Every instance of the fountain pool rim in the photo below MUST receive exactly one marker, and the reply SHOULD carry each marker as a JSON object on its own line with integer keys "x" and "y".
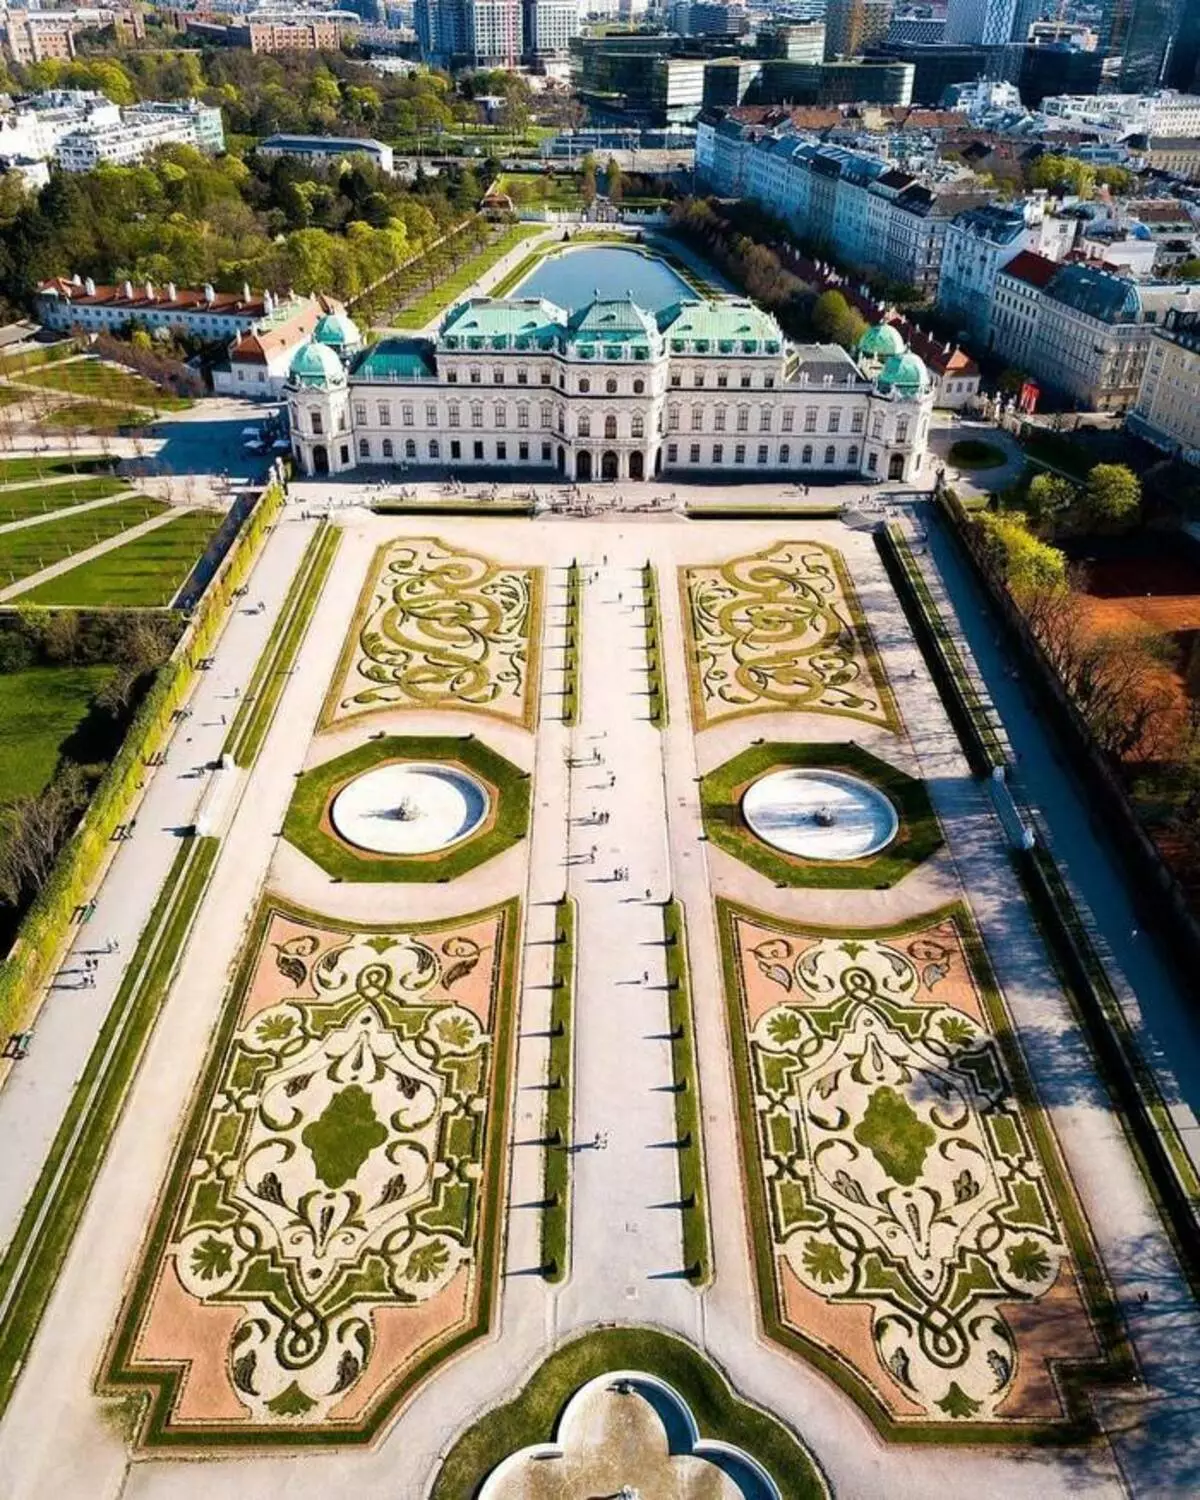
{"x": 804, "y": 837}
{"x": 457, "y": 806}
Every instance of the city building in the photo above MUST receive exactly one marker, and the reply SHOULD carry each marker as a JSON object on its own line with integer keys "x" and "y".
{"x": 610, "y": 391}
{"x": 549, "y": 26}
{"x": 260, "y": 356}
{"x": 67, "y": 303}
{"x": 329, "y": 148}
{"x": 1177, "y": 154}
{"x": 851, "y": 26}
{"x": 140, "y": 130}
{"x": 1160, "y": 114}
{"x": 1041, "y": 68}
{"x": 989, "y": 23}
{"x": 926, "y": 30}
{"x": 38, "y": 35}
{"x": 1167, "y": 410}
{"x": 1150, "y": 30}
{"x": 708, "y": 18}
{"x": 483, "y": 33}
{"x": 320, "y": 34}
{"x": 938, "y": 68}
{"x": 33, "y": 127}
{"x": 979, "y": 243}
{"x": 1080, "y": 329}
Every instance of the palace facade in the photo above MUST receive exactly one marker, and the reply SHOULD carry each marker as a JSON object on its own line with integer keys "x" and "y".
{"x": 610, "y": 391}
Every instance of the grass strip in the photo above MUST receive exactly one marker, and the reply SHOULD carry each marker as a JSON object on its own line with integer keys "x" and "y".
{"x": 45, "y": 499}
{"x": 532, "y": 1415}
{"x": 145, "y": 572}
{"x": 573, "y": 626}
{"x": 474, "y": 508}
{"x": 51, "y": 1217}
{"x": 768, "y": 512}
{"x": 689, "y": 1129}
{"x": 657, "y": 683}
{"x": 91, "y": 377}
{"x": 32, "y": 548}
{"x": 451, "y": 287}
{"x": 257, "y": 708}
{"x": 50, "y": 466}
{"x": 95, "y": 416}
{"x": 556, "y": 1159}
{"x": 1132, "y": 1084}
{"x": 969, "y": 712}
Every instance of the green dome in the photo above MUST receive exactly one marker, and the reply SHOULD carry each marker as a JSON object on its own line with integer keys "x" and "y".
{"x": 882, "y": 341}
{"x": 337, "y": 331}
{"x": 316, "y": 365}
{"x": 906, "y": 374}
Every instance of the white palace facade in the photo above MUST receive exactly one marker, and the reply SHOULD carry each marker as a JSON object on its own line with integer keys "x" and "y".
{"x": 610, "y": 391}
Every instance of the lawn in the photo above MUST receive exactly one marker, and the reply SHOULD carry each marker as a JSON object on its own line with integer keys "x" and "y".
{"x": 39, "y": 709}
{"x": 971, "y": 453}
{"x": 32, "y": 548}
{"x": 452, "y": 287}
{"x": 144, "y": 573}
{"x": 16, "y": 470}
{"x": 19, "y": 505}
{"x": 542, "y": 189}
{"x": 94, "y": 416}
{"x": 92, "y": 377}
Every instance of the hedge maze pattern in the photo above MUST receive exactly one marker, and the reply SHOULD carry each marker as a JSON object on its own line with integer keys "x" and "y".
{"x": 442, "y": 628}
{"x": 780, "y": 630}
{"x": 909, "y": 1220}
{"x": 328, "y": 1221}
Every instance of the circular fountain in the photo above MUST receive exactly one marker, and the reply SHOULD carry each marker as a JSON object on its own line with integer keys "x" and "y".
{"x": 409, "y": 808}
{"x": 819, "y": 814}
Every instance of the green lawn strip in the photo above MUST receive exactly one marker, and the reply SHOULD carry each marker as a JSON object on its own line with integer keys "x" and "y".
{"x": 573, "y": 643}
{"x": 556, "y": 1160}
{"x": 472, "y": 507}
{"x": 438, "y": 298}
{"x": 531, "y": 1416}
{"x": 145, "y": 572}
{"x": 314, "y": 790}
{"x": 659, "y": 715}
{"x": 31, "y": 548}
{"x": 689, "y": 1117}
{"x": 1169, "y": 1171}
{"x": 45, "y": 499}
{"x": 968, "y": 711}
{"x": 32, "y": 359}
{"x": 43, "y": 1237}
{"x": 91, "y": 377}
{"x": 724, "y": 512}
{"x": 94, "y": 416}
{"x": 972, "y": 453}
{"x": 39, "y": 709}
{"x": 918, "y": 837}
{"x": 50, "y": 466}
{"x": 257, "y": 708}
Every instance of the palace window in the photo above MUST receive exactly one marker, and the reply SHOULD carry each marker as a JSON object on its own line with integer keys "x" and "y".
{"x": 764, "y": 419}
{"x": 387, "y": 448}
{"x": 830, "y": 454}
{"x": 697, "y": 419}
{"x": 610, "y": 427}
{"x": 637, "y": 425}
{"x": 743, "y": 419}
{"x": 584, "y": 429}
{"x": 476, "y": 415}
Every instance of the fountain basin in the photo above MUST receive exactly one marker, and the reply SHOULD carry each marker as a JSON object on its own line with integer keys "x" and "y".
{"x": 819, "y": 814}
{"x": 409, "y": 808}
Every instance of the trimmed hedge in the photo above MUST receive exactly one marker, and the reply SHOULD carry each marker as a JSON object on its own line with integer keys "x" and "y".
{"x": 659, "y": 712}
{"x": 47, "y": 924}
{"x": 573, "y": 628}
{"x": 689, "y": 1116}
{"x": 556, "y": 1159}
{"x": 532, "y": 1415}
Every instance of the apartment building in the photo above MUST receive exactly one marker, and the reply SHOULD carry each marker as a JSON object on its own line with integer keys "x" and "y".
{"x": 1167, "y": 410}
{"x": 139, "y": 131}
{"x": 980, "y": 242}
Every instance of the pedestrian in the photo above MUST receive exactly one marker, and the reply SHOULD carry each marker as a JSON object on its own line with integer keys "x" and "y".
{"x": 222, "y": 718}
{"x": 645, "y": 976}
{"x": 647, "y": 893}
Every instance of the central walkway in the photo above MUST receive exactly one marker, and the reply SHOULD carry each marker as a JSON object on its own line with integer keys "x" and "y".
{"x": 626, "y": 1179}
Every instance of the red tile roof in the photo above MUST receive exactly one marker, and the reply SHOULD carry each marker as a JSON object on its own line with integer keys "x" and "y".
{"x": 186, "y": 299}
{"x": 1030, "y": 267}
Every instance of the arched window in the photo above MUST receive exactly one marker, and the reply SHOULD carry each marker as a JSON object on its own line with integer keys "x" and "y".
{"x": 435, "y": 448}
{"x": 410, "y": 448}
{"x": 852, "y": 455}
{"x": 785, "y": 453}
{"x": 639, "y": 387}
{"x": 585, "y": 385}
{"x": 610, "y": 427}
{"x": 637, "y": 425}
{"x": 387, "y": 448}
{"x": 830, "y": 454}
{"x": 610, "y": 385}
{"x": 364, "y": 448}
{"x": 476, "y": 415}
{"x": 806, "y": 454}
{"x": 585, "y": 425}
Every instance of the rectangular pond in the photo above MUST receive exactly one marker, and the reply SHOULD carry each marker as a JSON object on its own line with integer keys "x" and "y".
{"x": 572, "y": 278}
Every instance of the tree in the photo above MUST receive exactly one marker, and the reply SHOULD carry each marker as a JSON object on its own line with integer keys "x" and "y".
{"x": 1118, "y": 180}
{"x": 1111, "y": 499}
{"x": 1063, "y": 174}
{"x": 1186, "y": 270}
{"x": 614, "y": 181}
{"x": 835, "y": 321}
{"x": 1050, "y": 498}
{"x": 1022, "y": 560}
{"x": 587, "y": 183}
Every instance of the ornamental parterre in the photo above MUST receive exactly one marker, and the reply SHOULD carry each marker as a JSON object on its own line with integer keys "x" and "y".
{"x": 329, "y": 1225}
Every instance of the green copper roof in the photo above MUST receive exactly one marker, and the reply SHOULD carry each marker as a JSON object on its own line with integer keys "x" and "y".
{"x": 611, "y": 318}
{"x": 728, "y": 326}
{"x": 316, "y": 365}
{"x": 905, "y": 373}
{"x": 338, "y": 331}
{"x": 504, "y": 323}
{"x": 395, "y": 359}
{"x": 881, "y": 341}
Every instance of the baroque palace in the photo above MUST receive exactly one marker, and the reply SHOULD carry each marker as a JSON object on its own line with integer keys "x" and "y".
{"x": 609, "y": 391}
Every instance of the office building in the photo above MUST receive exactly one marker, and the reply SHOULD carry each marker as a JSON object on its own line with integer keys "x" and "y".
{"x": 708, "y": 18}
{"x": 1150, "y": 31}
{"x": 851, "y": 26}
{"x": 549, "y": 27}
{"x": 478, "y": 33}
{"x": 987, "y": 23}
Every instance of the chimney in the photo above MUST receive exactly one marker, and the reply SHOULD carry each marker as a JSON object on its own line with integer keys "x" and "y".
{"x": 149, "y": 291}
{"x": 209, "y": 295}
{"x": 245, "y": 291}
{"x": 127, "y": 289}
{"x": 268, "y": 303}
{"x": 89, "y": 286}
{"x": 75, "y": 281}
{"x": 170, "y": 291}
